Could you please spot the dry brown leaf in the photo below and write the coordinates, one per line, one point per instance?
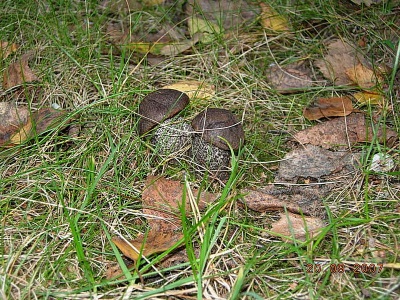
(341, 56)
(156, 241)
(193, 88)
(162, 199)
(270, 19)
(289, 79)
(17, 124)
(298, 227)
(328, 107)
(364, 77)
(6, 49)
(311, 161)
(300, 200)
(19, 72)
(343, 132)
(369, 97)
(12, 119)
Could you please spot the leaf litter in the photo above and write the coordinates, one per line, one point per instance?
(162, 205)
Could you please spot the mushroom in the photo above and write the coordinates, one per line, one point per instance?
(216, 131)
(160, 108)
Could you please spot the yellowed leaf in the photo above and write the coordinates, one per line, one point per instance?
(207, 28)
(270, 19)
(6, 49)
(293, 226)
(193, 88)
(369, 97)
(363, 76)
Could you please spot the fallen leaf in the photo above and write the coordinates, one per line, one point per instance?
(193, 88)
(298, 227)
(156, 241)
(364, 77)
(12, 119)
(227, 13)
(206, 28)
(341, 56)
(295, 200)
(19, 72)
(17, 124)
(162, 199)
(270, 19)
(343, 132)
(315, 162)
(290, 78)
(369, 97)
(328, 107)
(6, 49)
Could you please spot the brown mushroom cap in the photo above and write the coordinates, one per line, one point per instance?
(159, 106)
(214, 123)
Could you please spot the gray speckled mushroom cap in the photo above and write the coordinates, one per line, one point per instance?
(159, 106)
(214, 123)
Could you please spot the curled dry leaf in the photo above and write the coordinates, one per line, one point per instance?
(341, 56)
(289, 79)
(19, 72)
(328, 107)
(17, 124)
(162, 199)
(270, 19)
(298, 227)
(193, 88)
(343, 132)
(6, 49)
